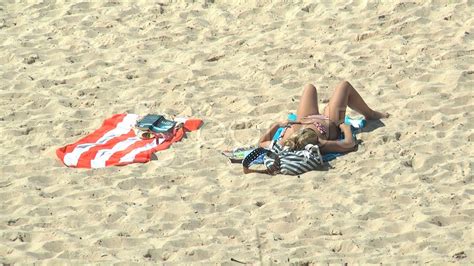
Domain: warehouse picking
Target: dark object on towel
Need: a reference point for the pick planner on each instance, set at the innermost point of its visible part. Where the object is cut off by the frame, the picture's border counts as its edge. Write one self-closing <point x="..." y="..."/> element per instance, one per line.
<point x="155" y="123"/>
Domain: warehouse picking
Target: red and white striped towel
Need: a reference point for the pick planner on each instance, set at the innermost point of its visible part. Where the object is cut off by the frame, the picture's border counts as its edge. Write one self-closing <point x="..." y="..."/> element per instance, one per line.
<point x="115" y="143"/>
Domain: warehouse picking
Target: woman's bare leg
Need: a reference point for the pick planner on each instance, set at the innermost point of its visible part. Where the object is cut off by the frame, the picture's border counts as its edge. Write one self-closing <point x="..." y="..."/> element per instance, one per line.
<point x="308" y="103"/>
<point x="345" y="95"/>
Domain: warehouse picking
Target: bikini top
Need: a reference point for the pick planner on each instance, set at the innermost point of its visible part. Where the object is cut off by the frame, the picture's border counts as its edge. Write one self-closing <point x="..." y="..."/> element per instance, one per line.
<point x="322" y="129"/>
<point x="314" y="120"/>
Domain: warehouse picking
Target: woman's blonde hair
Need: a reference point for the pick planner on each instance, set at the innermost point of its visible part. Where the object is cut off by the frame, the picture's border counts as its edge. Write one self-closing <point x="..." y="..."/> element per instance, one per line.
<point x="302" y="138"/>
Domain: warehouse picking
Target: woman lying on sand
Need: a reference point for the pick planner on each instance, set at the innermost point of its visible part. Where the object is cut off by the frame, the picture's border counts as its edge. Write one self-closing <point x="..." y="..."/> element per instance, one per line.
<point x="323" y="130"/>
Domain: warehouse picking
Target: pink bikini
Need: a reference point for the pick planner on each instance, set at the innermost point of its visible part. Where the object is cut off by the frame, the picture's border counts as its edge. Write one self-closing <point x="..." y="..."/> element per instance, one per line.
<point x="322" y="129"/>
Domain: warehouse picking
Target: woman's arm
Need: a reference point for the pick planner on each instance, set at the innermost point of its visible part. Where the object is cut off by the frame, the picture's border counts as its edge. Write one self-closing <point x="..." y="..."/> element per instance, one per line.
<point x="272" y="170"/>
<point x="266" y="138"/>
<point x="268" y="171"/>
<point x="346" y="145"/>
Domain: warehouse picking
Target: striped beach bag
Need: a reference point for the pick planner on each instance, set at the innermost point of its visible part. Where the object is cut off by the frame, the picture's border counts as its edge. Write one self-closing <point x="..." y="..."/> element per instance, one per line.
<point x="281" y="160"/>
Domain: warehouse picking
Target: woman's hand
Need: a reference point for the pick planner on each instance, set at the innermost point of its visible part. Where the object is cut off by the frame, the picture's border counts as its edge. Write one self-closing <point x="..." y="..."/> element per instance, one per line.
<point x="272" y="170"/>
<point x="347" y="144"/>
<point x="275" y="168"/>
<point x="348" y="138"/>
<point x="345" y="127"/>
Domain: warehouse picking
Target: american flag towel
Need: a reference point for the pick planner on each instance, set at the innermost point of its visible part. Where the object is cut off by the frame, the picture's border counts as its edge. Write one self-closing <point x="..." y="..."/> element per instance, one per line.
<point x="115" y="143"/>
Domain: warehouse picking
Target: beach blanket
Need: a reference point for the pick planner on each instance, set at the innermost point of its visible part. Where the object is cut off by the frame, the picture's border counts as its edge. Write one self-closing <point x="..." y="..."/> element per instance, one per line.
<point x="116" y="143"/>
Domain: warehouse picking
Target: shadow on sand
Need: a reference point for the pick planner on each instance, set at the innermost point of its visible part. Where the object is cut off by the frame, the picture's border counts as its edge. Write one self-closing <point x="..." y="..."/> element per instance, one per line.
<point x="372" y="125"/>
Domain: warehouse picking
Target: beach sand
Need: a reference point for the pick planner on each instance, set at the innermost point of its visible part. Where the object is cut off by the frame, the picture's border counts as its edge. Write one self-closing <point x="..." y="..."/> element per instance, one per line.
<point x="406" y="196"/>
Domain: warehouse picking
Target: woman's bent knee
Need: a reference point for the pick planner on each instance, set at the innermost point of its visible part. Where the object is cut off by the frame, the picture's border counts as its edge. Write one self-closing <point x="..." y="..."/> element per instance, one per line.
<point x="309" y="87"/>
<point x="345" y="83"/>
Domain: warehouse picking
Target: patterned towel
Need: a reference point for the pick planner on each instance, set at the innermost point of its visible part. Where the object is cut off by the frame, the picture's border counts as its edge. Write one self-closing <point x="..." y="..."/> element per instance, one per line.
<point x="115" y="143"/>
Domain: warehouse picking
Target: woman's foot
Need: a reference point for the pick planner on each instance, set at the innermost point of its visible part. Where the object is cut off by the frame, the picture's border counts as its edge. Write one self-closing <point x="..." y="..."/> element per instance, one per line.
<point x="375" y="115"/>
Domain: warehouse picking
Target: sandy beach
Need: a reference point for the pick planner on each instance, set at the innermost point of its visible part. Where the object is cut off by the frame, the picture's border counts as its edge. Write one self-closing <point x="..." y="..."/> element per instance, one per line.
<point x="406" y="196"/>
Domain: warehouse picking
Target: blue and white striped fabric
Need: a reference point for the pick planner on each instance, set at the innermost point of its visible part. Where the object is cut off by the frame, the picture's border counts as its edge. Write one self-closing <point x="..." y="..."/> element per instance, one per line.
<point x="295" y="162"/>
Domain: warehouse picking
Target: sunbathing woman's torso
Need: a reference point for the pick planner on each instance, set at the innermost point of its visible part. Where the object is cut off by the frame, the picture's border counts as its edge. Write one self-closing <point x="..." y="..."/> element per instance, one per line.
<point x="324" y="128"/>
